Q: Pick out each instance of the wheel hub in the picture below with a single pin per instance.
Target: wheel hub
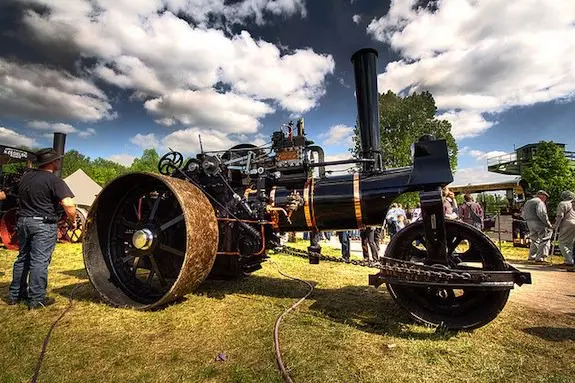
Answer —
(143, 239)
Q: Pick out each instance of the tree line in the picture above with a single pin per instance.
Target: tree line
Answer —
(102, 170)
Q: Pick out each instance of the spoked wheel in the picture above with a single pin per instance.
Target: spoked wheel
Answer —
(75, 235)
(8, 231)
(149, 240)
(468, 249)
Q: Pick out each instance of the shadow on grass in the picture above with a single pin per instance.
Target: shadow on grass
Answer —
(555, 334)
(361, 307)
(79, 273)
(84, 292)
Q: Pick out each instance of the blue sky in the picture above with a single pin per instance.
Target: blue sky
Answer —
(120, 76)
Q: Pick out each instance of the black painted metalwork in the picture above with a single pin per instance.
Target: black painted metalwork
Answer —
(258, 192)
(59, 145)
(453, 305)
(365, 71)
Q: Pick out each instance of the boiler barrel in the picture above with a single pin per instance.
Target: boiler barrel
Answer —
(344, 202)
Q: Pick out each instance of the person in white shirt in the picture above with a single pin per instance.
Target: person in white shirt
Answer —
(565, 226)
(540, 229)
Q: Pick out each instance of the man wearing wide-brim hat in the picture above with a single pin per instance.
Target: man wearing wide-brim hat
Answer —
(540, 229)
(41, 197)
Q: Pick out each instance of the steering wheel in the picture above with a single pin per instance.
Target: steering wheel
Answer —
(170, 162)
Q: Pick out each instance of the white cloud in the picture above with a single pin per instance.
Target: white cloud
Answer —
(145, 141)
(480, 155)
(53, 127)
(32, 91)
(479, 57)
(483, 156)
(12, 138)
(338, 135)
(339, 169)
(466, 123)
(60, 128)
(187, 140)
(356, 18)
(87, 133)
(239, 12)
(226, 112)
(260, 139)
(478, 175)
(135, 48)
(122, 159)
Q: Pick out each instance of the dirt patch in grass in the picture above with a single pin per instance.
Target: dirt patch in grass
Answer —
(346, 332)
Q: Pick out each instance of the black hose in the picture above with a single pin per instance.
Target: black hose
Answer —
(47, 338)
(285, 375)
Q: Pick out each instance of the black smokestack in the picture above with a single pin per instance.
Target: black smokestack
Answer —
(365, 70)
(59, 145)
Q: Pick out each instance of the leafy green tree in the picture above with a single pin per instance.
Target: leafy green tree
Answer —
(403, 120)
(491, 203)
(551, 171)
(74, 160)
(103, 171)
(147, 163)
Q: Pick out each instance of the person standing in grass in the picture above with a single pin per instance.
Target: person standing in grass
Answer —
(368, 243)
(41, 197)
(565, 226)
(540, 229)
(450, 208)
(471, 212)
(345, 247)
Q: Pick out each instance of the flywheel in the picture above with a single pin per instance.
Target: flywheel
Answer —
(149, 240)
(71, 234)
(454, 308)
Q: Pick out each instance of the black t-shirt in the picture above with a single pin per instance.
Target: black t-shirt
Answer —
(40, 193)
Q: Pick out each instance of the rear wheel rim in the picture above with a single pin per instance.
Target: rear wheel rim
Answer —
(147, 274)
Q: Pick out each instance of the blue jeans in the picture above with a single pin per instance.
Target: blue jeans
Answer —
(30, 274)
(344, 240)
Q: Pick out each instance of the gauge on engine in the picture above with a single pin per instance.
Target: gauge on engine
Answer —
(193, 166)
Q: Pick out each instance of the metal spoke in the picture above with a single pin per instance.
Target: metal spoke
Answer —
(135, 206)
(135, 265)
(157, 270)
(170, 249)
(452, 245)
(171, 222)
(150, 277)
(154, 208)
(129, 224)
(127, 258)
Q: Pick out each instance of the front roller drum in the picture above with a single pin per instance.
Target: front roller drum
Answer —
(149, 240)
(468, 249)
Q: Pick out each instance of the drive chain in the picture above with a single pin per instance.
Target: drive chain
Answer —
(399, 269)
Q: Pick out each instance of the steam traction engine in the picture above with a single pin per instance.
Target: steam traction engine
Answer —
(150, 239)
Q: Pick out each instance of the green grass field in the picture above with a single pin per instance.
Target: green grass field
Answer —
(346, 332)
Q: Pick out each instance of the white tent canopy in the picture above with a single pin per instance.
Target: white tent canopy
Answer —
(84, 188)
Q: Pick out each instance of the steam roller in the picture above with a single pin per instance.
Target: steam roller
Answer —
(152, 238)
(149, 240)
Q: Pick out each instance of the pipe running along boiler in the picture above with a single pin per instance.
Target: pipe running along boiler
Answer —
(152, 238)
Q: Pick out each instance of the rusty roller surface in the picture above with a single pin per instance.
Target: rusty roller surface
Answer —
(149, 240)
